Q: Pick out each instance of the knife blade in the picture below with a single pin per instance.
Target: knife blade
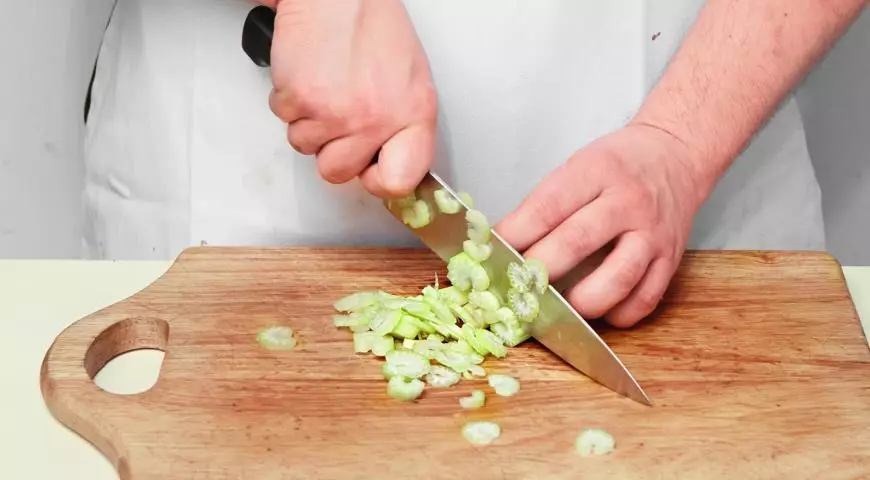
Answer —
(558, 327)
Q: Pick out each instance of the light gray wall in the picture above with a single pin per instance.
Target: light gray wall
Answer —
(835, 104)
(47, 50)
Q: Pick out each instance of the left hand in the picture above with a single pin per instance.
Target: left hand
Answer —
(635, 185)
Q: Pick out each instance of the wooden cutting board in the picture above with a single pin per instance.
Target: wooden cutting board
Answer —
(756, 364)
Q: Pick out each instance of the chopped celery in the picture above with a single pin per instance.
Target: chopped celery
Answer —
(524, 304)
(469, 334)
(477, 252)
(466, 274)
(485, 300)
(385, 321)
(511, 334)
(481, 432)
(417, 216)
(408, 343)
(356, 301)
(466, 199)
(539, 273)
(405, 389)
(477, 371)
(453, 296)
(352, 320)
(504, 385)
(464, 313)
(491, 343)
(475, 400)
(520, 278)
(456, 361)
(441, 310)
(408, 327)
(436, 337)
(383, 345)
(407, 363)
(441, 377)
(403, 202)
(445, 202)
(427, 348)
(276, 338)
(478, 227)
(594, 441)
(363, 341)
(451, 331)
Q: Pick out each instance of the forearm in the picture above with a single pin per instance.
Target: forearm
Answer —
(735, 66)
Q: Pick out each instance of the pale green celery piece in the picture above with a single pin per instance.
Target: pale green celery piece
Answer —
(524, 305)
(407, 327)
(539, 273)
(456, 361)
(473, 401)
(389, 370)
(449, 331)
(504, 385)
(356, 301)
(276, 338)
(466, 199)
(435, 337)
(408, 364)
(485, 300)
(404, 202)
(477, 252)
(469, 334)
(519, 277)
(511, 334)
(453, 296)
(445, 202)
(428, 347)
(492, 317)
(481, 432)
(477, 371)
(478, 227)
(441, 377)
(464, 313)
(491, 343)
(352, 320)
(506, 315)
(383, 345)
(359, 328)
(441, 310)
(417, 216)
(460, 346)
(363, 341)
(385, 321)
(405, 389)
(408, 343)
(593, 442)
(465, 274)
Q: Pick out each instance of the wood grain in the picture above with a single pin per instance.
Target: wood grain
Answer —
(756, 364)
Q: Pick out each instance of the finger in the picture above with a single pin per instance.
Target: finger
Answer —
(614, 279)
(558, 196)
(344, 158)
(285, 106)
(645, 297)
(309, 136)
(581, 235)
(404, 160)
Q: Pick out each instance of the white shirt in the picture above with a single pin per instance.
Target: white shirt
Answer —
(183, 150)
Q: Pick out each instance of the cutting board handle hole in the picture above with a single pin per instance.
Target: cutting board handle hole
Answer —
(126, 357)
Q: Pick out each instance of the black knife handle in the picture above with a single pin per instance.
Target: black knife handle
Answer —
(257, 40)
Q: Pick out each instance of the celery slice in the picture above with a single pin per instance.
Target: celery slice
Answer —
(593, 442)
(276, 338)
(484, 300)
(385, 321)
(441, 377)
(408, 364)
(445, 202)
(464, 313)
(473, 401)
(356, 301)
(427, 348)
(453, 296)
(511, 334)
(418, 215)
(466, 274)
(524, 304)
(481, 432)
(504, 385)
(478, 227)
(408, 327)
(520, 278)
(436, 337)
(477, 371)
(363, 341)
(405, 389)
(477, 252)
(491, 343)
(441, 311)
(450, 331)
(352, 320)
(383, 345)
(469, 334)
(466, 199)
(408, 343)
(539, 273)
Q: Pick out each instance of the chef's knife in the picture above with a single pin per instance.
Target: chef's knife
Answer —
(558, 327)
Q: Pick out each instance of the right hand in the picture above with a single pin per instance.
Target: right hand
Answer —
(350, 77)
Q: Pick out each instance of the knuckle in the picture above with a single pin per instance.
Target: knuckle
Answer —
(627, 277)
(577, 239)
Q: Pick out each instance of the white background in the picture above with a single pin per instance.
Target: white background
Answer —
(47, 51)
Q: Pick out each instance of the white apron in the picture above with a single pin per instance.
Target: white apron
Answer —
(182, 149)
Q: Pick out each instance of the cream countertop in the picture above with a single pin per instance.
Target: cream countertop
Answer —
(40, 298)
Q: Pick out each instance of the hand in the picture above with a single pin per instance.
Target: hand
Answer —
(634, 185)
(350, 77)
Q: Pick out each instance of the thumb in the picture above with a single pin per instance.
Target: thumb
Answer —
(404, 160)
